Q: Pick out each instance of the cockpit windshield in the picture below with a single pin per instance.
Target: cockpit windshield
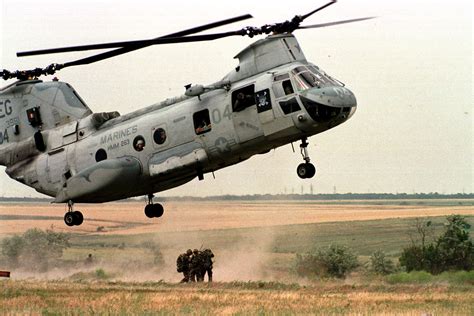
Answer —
(310, 76)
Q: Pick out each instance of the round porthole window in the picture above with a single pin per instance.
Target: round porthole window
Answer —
(139, 143)
(159, 136)
(100, 155)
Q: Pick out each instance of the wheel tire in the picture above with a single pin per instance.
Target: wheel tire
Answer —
(69, 218)
(302, 170)
(149, 211)
(158, 210)
(311, 170)
(79, 218)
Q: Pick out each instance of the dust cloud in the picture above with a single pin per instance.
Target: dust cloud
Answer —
(242, 256)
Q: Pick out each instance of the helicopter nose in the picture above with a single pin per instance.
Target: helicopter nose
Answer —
(334, 104)
(334, 96)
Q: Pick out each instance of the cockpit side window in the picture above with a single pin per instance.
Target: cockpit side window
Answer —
(282, 86)
(243, 98)
(287, 87)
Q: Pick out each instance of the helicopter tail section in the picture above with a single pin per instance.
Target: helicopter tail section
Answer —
(28, 109)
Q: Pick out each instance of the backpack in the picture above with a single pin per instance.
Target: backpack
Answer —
(182, 263)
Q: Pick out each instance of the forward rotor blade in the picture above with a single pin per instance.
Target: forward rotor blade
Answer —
(146, 43)
(318, 9)
(335, 23)
(313, 26)
(132, 44)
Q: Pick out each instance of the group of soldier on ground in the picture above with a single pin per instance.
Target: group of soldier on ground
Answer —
(194, 264)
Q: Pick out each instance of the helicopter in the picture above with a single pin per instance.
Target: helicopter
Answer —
(51, 140)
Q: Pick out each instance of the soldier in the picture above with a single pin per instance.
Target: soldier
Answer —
(183, 265)
(196, 267)
(89, 260)
(207, 256)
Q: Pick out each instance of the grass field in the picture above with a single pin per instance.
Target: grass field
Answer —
(35, 297)
(255, 245)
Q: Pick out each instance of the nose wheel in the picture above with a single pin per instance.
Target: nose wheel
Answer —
(73, 218)
(305, 170)
(153, 210)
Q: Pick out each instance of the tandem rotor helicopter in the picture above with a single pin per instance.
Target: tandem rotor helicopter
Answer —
(51, 141)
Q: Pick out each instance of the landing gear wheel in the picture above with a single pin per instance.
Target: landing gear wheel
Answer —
(306, 170)
(73, 218)
(149, 210)
(79, 218)
(154, 210)
(158, 210)
(69, 218)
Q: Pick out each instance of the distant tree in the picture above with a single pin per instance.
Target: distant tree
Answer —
(35, 248)
(453, 250)
(456, 250)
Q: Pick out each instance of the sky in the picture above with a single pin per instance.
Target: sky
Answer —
(410, 69)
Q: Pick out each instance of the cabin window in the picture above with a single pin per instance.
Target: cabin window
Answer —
(202, 122)
(159, 136)
(243, 98)
(290, 106)
(34, 116)
(100, 155)
(139, 143)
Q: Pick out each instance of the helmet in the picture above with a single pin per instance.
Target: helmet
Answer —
(189, 252)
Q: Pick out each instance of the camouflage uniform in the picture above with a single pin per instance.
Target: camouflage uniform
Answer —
(183, 265)
(207, 256)
(196, 267)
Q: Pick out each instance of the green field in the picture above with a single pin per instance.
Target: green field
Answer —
(363, 237)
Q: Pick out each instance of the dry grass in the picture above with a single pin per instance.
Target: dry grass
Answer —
(35, 297)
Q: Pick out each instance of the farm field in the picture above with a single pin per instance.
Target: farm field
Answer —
(134, 267)
(128, 218)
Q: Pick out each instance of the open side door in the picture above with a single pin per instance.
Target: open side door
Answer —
(244, 113)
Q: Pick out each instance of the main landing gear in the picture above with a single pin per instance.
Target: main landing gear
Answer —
(73, 218)
(305, 170)
(153, 210)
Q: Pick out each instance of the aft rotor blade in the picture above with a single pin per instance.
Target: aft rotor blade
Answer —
(335, 23)
(124, 46)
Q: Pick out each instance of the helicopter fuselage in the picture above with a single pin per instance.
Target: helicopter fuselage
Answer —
(100, 157)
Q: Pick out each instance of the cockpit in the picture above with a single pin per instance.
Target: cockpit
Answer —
(324, 98)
